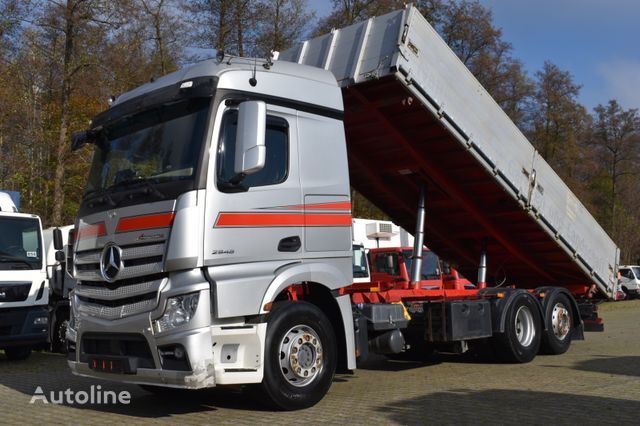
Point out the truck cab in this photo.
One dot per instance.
(393, 265)
(24, 292)
(218, 195)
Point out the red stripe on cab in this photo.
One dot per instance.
(150, 221)
(255, 220)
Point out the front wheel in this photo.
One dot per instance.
(300, 356)
(559, 320)
(520, 341)
(59, 335)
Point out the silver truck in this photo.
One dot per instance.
(213, 242)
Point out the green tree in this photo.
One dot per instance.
(616, 138)
(557, 119)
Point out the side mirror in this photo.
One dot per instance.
(57, 239)
(81, 138)
(60, 257)
(251, 150)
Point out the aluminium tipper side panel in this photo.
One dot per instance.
(404, 46)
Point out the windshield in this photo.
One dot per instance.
(20, 243)
(636, 271)
(430, 264)
(155, 146)
(359, 262)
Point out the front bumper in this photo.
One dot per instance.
(133, 343)
(633, 292)
(217, 351)
(199, 375)
(17, 326)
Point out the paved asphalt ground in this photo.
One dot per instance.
(596, 382)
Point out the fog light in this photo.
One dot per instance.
(178, 352)
(41, 321)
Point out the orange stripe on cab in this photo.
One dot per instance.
(150, 221)
(254, 220)
(338, 205)
(345, 205)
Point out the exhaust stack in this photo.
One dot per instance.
(416, 264)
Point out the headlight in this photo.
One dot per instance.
(179, 311)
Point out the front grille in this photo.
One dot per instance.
(109, 302)
(14, 292)
(138, 259)
(135, 290)
(117, 312)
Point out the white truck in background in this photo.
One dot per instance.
(34, 304)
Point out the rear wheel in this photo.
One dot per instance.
(17, 354)
(300, 356)
(559, 320)
(520, 341)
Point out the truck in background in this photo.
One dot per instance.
(630, 280)
(24, 294)
(33, 284)
(374, 233)
(225, 259)
(61, 283)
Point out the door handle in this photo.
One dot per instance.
(290, 244)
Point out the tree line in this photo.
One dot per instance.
(60, 62)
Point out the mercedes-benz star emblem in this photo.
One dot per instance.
(111, 262)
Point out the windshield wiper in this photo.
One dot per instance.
(14, 259)
(149, 187)
(99, 197)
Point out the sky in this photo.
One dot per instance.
(597, 41)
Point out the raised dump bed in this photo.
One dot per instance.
(414, 116)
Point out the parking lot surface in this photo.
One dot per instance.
(596, 382)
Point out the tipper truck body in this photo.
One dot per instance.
(213, 243)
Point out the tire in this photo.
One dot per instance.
(522, 335)
(283, 387)
(17, 353)
(626, 293)
(559, 320)
(59, 334)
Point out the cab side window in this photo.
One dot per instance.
(276, 166)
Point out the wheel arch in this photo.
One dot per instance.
(318, 284)
(502, 300)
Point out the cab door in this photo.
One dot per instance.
(261, 218)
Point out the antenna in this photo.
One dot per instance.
(252, 80)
